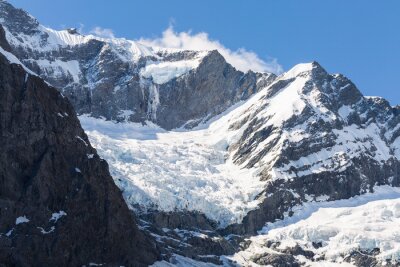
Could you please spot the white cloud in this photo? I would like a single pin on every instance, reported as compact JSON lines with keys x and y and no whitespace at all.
{"x":241,"y":59}
{"x":81,"y":28}
{"x":102,"y":32}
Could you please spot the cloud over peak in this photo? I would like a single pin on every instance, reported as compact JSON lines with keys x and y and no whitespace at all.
{"x":102,"y":32}
{"x":241,"y":59}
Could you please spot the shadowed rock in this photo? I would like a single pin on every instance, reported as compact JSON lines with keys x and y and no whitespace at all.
{"x":70,"y":211}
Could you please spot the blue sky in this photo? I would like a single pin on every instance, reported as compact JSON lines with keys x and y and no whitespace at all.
{"x":360,"y":39}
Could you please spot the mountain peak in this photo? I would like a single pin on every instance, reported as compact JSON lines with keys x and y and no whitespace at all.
{"x":304,"y":68}
{"x":16,"y":19}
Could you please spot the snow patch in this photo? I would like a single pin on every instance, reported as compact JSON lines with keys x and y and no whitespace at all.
{"x":81,"y":139}
{"x":180,"y":261}
{"x":162,"y":72}
{"x":9,"y":233}
{"x":57,"y":215}
{"x":21,"y":219}
{"x":125,"y":114}
{"x":14,"y":60}
{"x":44,"y":232}
{"x":345,"y":111}
{"x":58,"y":68}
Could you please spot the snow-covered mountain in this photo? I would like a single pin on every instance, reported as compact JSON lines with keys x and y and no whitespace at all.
{"x":308,"y":137}
{"x":207,"y":156}
{"x":123,"y":80}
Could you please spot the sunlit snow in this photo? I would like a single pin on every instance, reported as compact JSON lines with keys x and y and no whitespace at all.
{"x":360,"y":223}
{"x":21,"y":219}
{"x":175,"y":170}
{"x":57,"y":215}
{"x":162,"y":72}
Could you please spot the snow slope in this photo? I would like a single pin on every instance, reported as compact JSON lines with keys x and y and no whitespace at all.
{"x":14,"y":60}
{"x":46,"y":40}
{"x":50,"y":51}
{"x":361,"y":224}
{"x":162,"y":72}
{"x":58,"y":68}
{"x":126,"y":50}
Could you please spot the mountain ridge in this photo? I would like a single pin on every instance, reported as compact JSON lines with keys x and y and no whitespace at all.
{"x":98,"y":74}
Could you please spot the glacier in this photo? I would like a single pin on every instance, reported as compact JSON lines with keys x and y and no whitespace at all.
{"x":175,"y":170}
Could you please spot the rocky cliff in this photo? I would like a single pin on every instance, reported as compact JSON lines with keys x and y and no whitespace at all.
{"x":58,"y":203}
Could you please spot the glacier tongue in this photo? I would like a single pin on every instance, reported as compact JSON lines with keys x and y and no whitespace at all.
{"x":175,"y":170}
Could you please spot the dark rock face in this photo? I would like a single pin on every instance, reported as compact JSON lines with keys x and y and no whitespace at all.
{"x":368,"y":258}
{"x":278,"y":260}
{"x":3,"y":41}
{"x":190,"y":234}
{"x":205,"y":92}
{"x":48,"y":167}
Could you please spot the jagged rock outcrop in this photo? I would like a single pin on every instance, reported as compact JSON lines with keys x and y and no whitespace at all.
{"x":205,"y":92}
{"x":58,"y":203}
